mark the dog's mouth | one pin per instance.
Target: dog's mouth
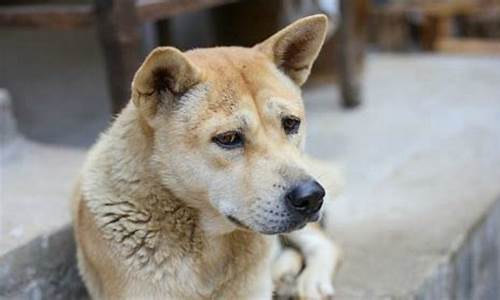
(237, 222)
(282, 227)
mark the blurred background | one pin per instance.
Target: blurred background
(404, 99)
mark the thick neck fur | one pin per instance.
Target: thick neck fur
(156, 233)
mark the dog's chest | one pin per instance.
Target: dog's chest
(164, 251)
(224, 270)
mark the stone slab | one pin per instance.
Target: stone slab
(45, 268)
(422, 163)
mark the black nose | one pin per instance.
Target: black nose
(306, 197)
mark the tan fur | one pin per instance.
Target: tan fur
(153, 207)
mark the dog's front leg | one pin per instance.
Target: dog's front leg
(286, 267)
(322, 257)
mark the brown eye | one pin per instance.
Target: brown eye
(229, 140)
(290, 124)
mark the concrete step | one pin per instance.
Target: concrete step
(419, 218)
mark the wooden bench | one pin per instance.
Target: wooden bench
(119, 31)
(118, 25)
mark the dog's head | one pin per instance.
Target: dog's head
(228, 127)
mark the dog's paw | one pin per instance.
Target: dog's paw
(285, 288)
(285, 270)
(315, 284)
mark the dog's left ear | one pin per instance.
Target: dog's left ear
(295, 48)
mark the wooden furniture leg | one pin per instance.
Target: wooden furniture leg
(163, 32)
(347, 53)
(119, 34)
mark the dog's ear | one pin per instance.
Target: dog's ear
(295, 48)
(165, 73)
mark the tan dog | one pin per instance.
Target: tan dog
(183, 196)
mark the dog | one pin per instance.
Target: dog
(185, 195)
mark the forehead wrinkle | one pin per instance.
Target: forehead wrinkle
(246, 83)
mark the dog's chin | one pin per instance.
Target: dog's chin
(282, 229)
(276, 227)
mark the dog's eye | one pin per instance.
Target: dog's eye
(290, 124)
(229, 140)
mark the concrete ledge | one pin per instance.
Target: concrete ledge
(472, 271)
(45, 268)
(419, 219)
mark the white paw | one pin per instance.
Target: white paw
(285, 271)
(315, 284)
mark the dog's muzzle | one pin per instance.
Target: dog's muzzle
(302, 204)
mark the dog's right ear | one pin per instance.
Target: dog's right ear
(165, 74)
